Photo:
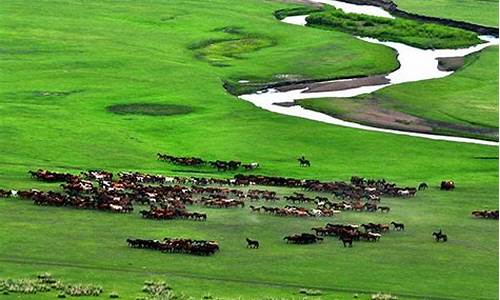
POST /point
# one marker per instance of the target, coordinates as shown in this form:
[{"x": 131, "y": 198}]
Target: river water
[{"x": 415, "y": 65}]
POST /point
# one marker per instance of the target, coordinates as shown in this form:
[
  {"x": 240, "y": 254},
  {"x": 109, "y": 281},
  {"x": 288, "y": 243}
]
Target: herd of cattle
[
  {"x": 178, "y": 245},
  {"x": 220, "y": 165},
  {"x": 168, "y": 197}
]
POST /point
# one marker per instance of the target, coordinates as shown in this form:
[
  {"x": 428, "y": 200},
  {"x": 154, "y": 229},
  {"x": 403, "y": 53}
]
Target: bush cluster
[{"x": 45, "y": 283}]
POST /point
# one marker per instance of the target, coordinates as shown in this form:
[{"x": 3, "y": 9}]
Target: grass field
[
  {"x": 64, "y": 62},
  {"x": 325, "y": 266},
  {"x": 466, "y": 98},
  {"x": 484, "y": 12}
]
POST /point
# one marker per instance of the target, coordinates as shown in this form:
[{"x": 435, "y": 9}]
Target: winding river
[{"x": 415, "y": 65}]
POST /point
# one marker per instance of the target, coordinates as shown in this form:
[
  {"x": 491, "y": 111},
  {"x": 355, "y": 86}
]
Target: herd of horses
[
  {"x": 295, "y": 211},
  {"x": 161, "y": 213},
  {"x": 167, "y": 198},
  {"x": 303, "y": 238},
  {"x": 178, "y": 245},
  {"x": 220, "y": 165},
  {"x": 348, "y": 233},
  {"x": 486, "y": 214}
]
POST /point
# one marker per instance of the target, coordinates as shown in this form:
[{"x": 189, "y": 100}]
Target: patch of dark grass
[
  {"x": 414, "y": 33},
  {"x": 230, "y": 29},
  {"x": 220, "y": 52},
  {"x": 149, "y": 109}
]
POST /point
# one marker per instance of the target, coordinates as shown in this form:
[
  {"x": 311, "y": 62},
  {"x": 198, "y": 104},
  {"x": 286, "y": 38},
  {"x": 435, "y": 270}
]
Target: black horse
[
  {"x": 384, "y": 209},
  {"x": 304, "y": 162},
  {"x": 422, "y": 186},
  {"x": 398, "y": 226},
  {"x": 252, "y": 244},
  {"x": 440, "y": 236},
  {"x": 346, "y": 240}
]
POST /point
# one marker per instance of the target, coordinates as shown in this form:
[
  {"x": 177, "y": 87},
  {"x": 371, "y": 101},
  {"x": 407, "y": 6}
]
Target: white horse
[{"x": 117, "y": 208}]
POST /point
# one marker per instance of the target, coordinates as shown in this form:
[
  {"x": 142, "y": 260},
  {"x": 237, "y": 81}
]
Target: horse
[
  {"x": 319, "y": 230},
  {"x": 384, "y": 209},
  {"x": 252, "y": 244},
  {"x": 292, "y": 238},
  {"x": 398, "y": 226},
  {"x": 422, "y": 186},
  {"x": 251, "y": 166},
  {"x": 304, "y": 162},
  {"x": 346, "y": 241},
  {"x": 374, "y": 236},
  {"x": 440, "y": 236},
  {"x": 447, "y": 185},
  {"x": 253, "y": 208}
]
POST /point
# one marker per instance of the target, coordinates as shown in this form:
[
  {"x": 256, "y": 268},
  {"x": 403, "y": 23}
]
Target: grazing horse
[
  {"x": 384, "y": 209},
  {"x": 252, "y": 244},
  {"x": 398, "y": 226},
  {"x": 253, "y": 208},
  {"x": 440, "y": 236},
  {"x": 251, "y": 166},
  {"x": 304, "y": 162},
  {"x": 422, "y": 186},
  {"x": 447, "y": 185},
  {"x": 346, "y": 240}
]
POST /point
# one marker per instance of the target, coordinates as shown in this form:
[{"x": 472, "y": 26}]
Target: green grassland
[
  {"x": 468, "y": 97},
  {"x": 58, "y": 235},
  {"x": 64, "y": 62},
  {"x": 421, "y": 35},
  {"x": 483, "y": 12}
]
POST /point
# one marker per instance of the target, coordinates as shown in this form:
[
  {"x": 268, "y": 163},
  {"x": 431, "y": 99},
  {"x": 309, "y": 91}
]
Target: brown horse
[
  {"x": 398, "y": 226},
  {"x": 447, "y": 185}
]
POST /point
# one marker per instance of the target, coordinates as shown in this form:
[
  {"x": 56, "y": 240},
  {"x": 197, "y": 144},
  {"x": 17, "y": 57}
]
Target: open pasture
[
  {"x": 276, "y": 262},
  {"x": 161, "y": 67}
]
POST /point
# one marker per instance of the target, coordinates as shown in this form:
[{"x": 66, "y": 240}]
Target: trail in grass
[{"x": 415, "y": 65}]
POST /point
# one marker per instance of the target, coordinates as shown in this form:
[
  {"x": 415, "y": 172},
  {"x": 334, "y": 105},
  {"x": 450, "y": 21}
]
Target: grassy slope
[
  {"x": 124, "y": 53},
  {"x": 484, "y": 12},
  {"x": 468, "y": 97}
]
